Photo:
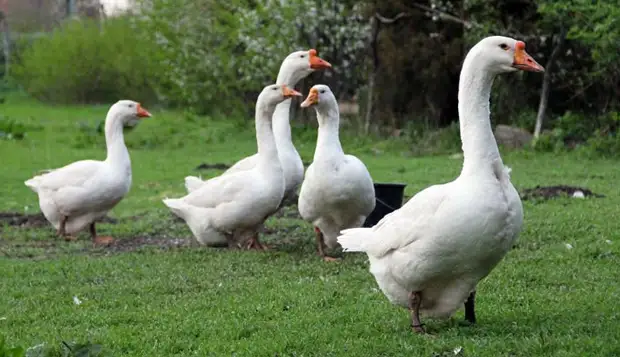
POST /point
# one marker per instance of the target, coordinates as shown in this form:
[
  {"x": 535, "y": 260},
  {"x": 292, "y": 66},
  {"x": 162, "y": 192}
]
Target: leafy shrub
[
  {"x": 434, "y": 142},
  {"x": 84, "y": 62},
  {"x": 219, "y": 54},
  {"x": 11, "y": 129},
  {"x": 550, "y": 141},
  {"x": 597, "y": 136}
]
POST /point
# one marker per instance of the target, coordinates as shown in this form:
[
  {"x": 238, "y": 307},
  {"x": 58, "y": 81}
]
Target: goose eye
[
  {"x": 504, "y": 46},
  {"x": 322, "y": 91},
  {"x": 274, "y": 88},
  {"x": 302, "y": 56}
]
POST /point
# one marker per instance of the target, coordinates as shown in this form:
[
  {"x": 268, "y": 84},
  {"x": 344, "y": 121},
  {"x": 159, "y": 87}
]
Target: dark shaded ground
[
  {"x": 548, "y": 192},
  {"x": 35, "y": 220},
  {"x": 217, "y": 166},
  {"x": 223, "y": 166},
  {"x": 51, "y": 246}
]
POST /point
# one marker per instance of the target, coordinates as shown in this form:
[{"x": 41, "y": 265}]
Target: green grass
[{"x": 160, "y": 299}]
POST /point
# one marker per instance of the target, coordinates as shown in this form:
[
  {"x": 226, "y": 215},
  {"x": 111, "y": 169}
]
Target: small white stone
[
  {"x": 76, "y": 300},
  {"x": 578, "y": 194},
  {"x": 607, "y": 241},
  {"x": 568, "y": 246}
]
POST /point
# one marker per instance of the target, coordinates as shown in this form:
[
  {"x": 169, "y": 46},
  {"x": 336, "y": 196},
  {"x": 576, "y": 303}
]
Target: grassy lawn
[{"x": 157, "y": 293}]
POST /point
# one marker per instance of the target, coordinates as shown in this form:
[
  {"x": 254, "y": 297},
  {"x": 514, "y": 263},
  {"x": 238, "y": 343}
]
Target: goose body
[
  {"x": 227, "y": 208},
  {"x": 75, "y": 196},
  {"x": 294, "y": 68},
  {"x": 337, "y": 192},
  {"x": 429, "y": 255}
]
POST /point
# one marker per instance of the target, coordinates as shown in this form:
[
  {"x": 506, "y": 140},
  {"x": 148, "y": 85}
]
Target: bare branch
[
  {"x": 385, "y": 20},
  {"x": 446, "y": 16}
]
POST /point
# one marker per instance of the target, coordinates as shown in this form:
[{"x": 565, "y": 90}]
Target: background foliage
[{"x": 213, "y": 57}]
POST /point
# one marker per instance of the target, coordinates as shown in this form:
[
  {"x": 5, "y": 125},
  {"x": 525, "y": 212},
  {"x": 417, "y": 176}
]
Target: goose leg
[
  {"x": 61, "y": 229},
  {"x": 61, "y": 226},
  {"x": 255, "y": 244},
  {"x": 320, "y": 244},
  {"x": 415, "y": 300},
  {"x": 470, "y": 313},
  {"x": 232, "y": 241},
  {"x": 99, "y": 240}
]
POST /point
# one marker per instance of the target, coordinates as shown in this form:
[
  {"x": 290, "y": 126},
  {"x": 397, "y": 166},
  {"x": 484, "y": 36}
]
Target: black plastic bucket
[{"x": 389, "y": 198}]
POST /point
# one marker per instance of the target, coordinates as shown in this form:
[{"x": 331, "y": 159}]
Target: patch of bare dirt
[
  {"x": 549, "y": 192},
  {"x": 22, "y": 220},
  {"x": 217, "y": 166},
  {"x": 48, "y": 249},
  {"x": 36, "y": 220}
]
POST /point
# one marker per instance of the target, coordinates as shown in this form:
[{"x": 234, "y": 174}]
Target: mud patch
[
  {"x": 549, "y": 192},
  {"x": 36, "y": 220},
  {"x": 56, "y": 247},
  {"x": 217, "y": 166}
]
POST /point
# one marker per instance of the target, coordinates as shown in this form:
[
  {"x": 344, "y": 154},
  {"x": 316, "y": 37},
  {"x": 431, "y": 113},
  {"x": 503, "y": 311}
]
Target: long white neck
[
  {"x": 115, "y": 142},
  {"x": 282, "y": 125},
  {"x": 267, "y": 150},
  {"x": 328, "y": 141},
  {"x": 281, "y": 120},
  {"x": 480, "y": 150}
]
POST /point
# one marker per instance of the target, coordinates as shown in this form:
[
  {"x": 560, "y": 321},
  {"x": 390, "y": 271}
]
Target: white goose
[
  {"x": 337, "y": 192},
  {"x": 228, "y": 207},
  {"x": 75, "y": 196},
  {"x": 295, "y": 67},
  {"x": 430, "y": 254}
]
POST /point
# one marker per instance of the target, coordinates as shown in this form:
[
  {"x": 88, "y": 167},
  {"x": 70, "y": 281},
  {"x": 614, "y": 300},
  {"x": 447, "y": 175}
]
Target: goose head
[
  {"x": 320, "y": 96},
  {"x": 274, "y": 94},
  {"x": 501, "y": 54},
  {"x": 300, "y": 64},
  {"x": 128, "y": 112}
]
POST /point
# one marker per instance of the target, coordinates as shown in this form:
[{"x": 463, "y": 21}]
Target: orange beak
[
  {"x": 313, "y": 98},
  {"x": 523, "y": 61},
  {"x": 317, "y": 62},
  {"x": 142, "y": 113},
  {"x": 289, "y": 93}
]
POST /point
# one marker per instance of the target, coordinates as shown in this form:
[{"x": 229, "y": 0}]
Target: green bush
[
  {"x": 437, "y": 142},
  {"x": 12, "y": 129},
  {"x": 86, "y": 62},
  {"x": 595, "y": 136}
]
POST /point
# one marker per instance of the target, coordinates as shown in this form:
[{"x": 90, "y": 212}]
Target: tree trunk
[
  {"x": 544, "y": 93},
  {"x": 6, "y": 41},
  {"x": 71, "y": 8},
  {"x": 374, "y": 26}
]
